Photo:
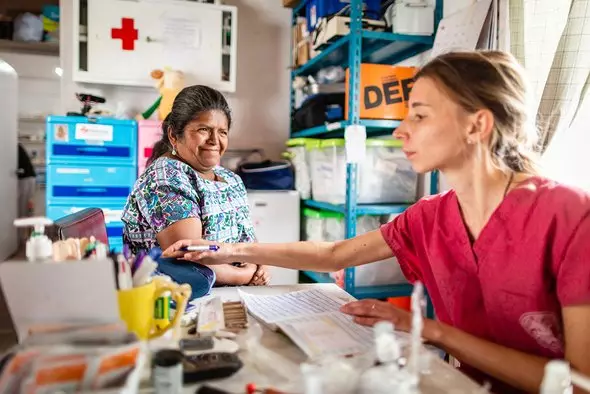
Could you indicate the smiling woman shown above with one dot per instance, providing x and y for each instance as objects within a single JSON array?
[{"x": 185, "y": 193}]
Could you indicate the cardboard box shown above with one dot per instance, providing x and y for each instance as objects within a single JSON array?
[
  {"x": 290, "y": 3},
  {"x": 384, "y": 91},
  {"x": 300, "y": 43}
]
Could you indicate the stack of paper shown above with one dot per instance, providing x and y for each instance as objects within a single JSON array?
[{"x": 312, "y": 319}]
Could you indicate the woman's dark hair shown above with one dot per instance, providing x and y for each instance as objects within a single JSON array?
[{"x": 188, "y": 104}]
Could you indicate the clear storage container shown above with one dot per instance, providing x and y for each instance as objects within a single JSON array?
[
  {"x": 298, "y": 154},
  {"x": 385, "y": 176},
  {"x": 330, "y": 226}
]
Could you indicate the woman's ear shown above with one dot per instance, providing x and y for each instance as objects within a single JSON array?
[
  {"x": 171, "y": 137},
  {"x": 482, "y": 126}
]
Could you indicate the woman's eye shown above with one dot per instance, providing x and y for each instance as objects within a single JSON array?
[{"x": 418, "y": 117}]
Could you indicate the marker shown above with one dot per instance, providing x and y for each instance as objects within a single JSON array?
[
  {"x": 123, "y": 274},
  {"x": 202, "y": 248}
]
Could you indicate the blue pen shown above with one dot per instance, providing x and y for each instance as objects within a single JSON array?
[{"x": 201, "y": 248}]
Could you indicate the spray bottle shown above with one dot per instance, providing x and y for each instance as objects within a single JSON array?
[
  {"x": 557, "y": 378},
  {"x": 39, "y": 246}
]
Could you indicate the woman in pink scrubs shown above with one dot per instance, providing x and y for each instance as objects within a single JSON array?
[{"x": 504, "y": 255}]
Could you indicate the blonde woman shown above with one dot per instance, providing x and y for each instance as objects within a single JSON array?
[{"x": 504, "y": 255}]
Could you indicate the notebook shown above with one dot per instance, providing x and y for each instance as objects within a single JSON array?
[{"x": 313, "y": 321}]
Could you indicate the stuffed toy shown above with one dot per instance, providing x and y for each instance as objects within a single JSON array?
[{"x": 169, "y": 83}]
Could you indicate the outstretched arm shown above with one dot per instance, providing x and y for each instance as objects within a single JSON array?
[
  {"x": 316, "y": 256},
  {"x": 226, "y": 274}
]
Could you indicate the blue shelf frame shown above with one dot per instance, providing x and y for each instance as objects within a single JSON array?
[
  {"x": 350, "y": 51},
  {"x": 361, "y": 209},
  {"x": 336, "y": 129}
]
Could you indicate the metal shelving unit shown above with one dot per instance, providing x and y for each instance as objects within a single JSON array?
[{"x": 361, "y": 46}]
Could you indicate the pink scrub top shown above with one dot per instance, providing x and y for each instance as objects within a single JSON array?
[{"x": 531, "y": 259}]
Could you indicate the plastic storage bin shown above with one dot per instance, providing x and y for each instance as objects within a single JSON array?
[
  {"x": 91, "y": 140},
  {"x": 385, "y": 176},
  {"x": 316, "y": 9},
  {"x": 297, "y": 149},
  {"x": 149, "y": 132},
  {"x": 330, "y": 226},
  {"x": 89, "y": 186}
]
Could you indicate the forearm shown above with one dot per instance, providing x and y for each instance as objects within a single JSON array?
[
  {"x": 314, "y": 256},
  {"x": 226, "y": 274},
  {"x": 516, "y": 368}
]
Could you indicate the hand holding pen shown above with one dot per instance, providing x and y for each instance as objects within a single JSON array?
[{"x": 200, "y": 250}]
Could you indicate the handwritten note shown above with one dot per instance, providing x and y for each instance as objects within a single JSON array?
[{"x": 181, "y": 33}]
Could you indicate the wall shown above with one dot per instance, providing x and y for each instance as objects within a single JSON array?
[
  {"x": 38, "y": 96},
  {"x": 39, "y": 85},
  {"x": 261, "y": 102}
]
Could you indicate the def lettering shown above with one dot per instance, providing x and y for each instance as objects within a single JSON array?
[{"x": 374, "y": 96}]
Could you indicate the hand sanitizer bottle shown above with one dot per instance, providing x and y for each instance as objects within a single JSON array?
[
  {"x": 557, "y": 378},
  {"x": 39, "y": 246}
]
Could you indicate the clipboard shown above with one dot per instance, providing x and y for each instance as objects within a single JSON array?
[{"x": 50, "y": 294}]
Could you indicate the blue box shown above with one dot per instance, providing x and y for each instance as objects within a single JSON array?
[
  {"x": 89, "y": 185},
  {"x": 72, "y": 139},
  {"x": 316, "y": 9}
]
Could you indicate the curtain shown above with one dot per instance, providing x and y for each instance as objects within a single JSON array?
[{"x": 551, "y": 38}]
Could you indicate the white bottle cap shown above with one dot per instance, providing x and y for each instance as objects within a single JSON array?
[
  {"x": 557, "y": 378},
  {"x": 383, "y": 327}
]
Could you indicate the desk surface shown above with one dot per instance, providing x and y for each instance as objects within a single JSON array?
[{"x": 276, "y": 364}]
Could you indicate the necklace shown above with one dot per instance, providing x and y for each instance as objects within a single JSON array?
[{"x": 508, "y": 184}]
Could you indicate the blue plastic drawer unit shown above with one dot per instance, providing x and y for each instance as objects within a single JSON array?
[
  {"x": 72, "y": 139},
  {"x": 89, "y": 185}
]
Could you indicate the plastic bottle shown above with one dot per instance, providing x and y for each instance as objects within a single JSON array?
[
  {"x": 39, "y": 246},
  {"x": 416, "y": 332},
  {"x": 387, "y": 348},
  {"x": 312, "y": 379},
  {"x": 384, "y": 377},
  {"x": 557, "y": 378}
]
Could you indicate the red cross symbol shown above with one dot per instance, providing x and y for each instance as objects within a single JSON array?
[{"x": 127, "y": 34}]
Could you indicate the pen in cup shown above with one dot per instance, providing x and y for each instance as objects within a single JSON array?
[{"x": 200, "y": 248}]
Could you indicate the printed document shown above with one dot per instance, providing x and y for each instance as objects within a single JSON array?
[{"x": 312, "y": 319}]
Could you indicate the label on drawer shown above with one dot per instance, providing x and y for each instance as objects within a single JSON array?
[
  {"x": 78, "y": 171},
  {"x": 94, "y": 132},
  {"x": 112, "y": 215}
]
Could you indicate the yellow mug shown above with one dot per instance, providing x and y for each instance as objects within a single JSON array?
[{"x": 136, "y": 307}]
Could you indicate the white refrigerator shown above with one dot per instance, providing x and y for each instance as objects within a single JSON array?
[{"x": 276, "y": 219}]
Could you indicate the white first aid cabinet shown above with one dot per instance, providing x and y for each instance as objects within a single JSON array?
[{"x": 120, "y": 42}]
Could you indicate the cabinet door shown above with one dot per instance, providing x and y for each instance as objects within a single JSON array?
[
  {"x": 8, "y": 159},
  {"x": 275, "y": 216},
  {"x": 126, "y": 40}
]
